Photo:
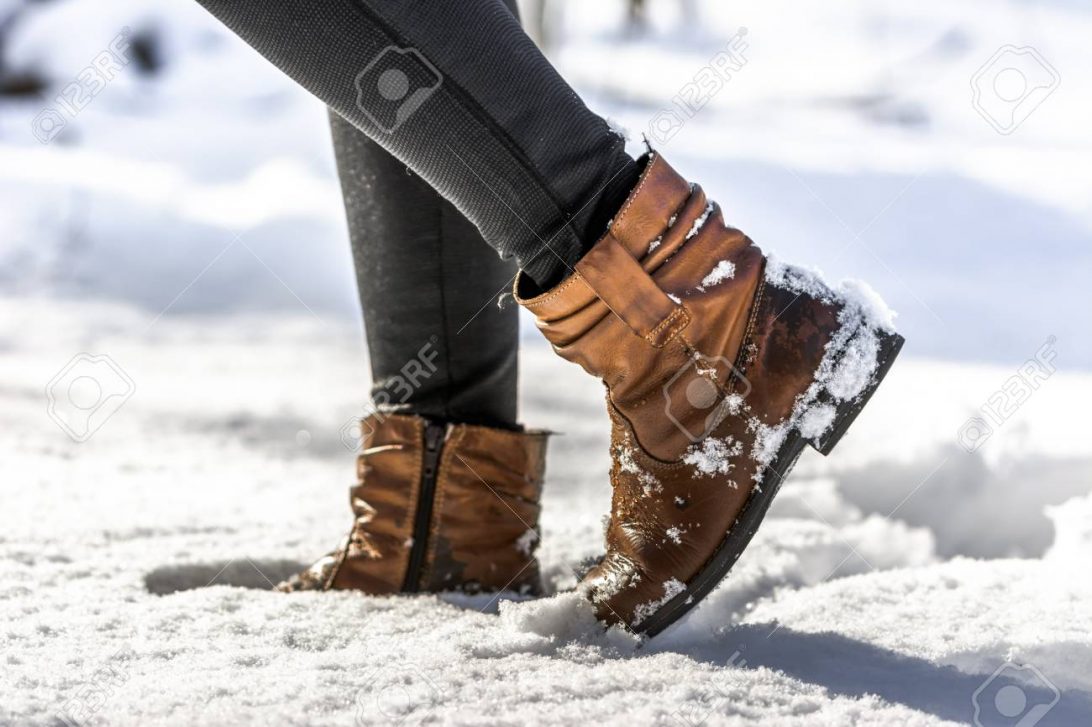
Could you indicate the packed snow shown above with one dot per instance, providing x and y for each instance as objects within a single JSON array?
[
  {"x": 156, "y": 540},
  {"x": 700, "y": 222},
  {"x": 712, "y": 456},
  {"x": 723, "y": 270},
  {"x": 816, "y": 421},
  {"x": 672, "y": 587},
  {"x": 186, "y": 225}
]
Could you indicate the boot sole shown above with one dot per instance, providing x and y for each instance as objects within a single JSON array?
[{"x": 737, "y": 540}]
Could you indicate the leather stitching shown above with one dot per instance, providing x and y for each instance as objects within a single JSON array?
[
  {"x": 636, "y": 192},
  {"x": 652, "y": 337},
  {"x": 546, "y": 297},
  {"x": 623, "y": 213}
]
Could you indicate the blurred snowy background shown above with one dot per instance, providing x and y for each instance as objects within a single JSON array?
[{"x": 179, "y": 213}]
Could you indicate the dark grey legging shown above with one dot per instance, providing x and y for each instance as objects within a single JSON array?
[
  {"x": 428, "y": 289},
  {"x": 457, "y": 92},
  {"x": 427, "y": 282}
]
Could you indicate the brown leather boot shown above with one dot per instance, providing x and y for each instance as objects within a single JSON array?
[
  {"x": 438, "y": 508},
  {"x": 720, "y": 365}
]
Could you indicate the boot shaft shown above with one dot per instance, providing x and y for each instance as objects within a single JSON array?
[
  {"x": 439, "y": 507},
  {"x": 720, "y": 366},
  {"x": 669, "y": 288}
]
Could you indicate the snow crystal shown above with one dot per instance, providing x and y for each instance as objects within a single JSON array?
[
  {"x": 620, "y": 129},
  {"x": 566, "y": 616},
  {"x": 733, "y": 403},
  {"x": 847, "y": 368},
  {"x": 723, "y": 270},
  {"x": 674, "y": 297},
  {"x": 610, "y": 581},
  {"x": 713, "y": 456},
  {"x": 672, "y": 588},
  {"x": 626, "y": 463},
  {"x": 675, "y": 534},
  {"x": 873, "y": 308},
  {"x": 855, "y": 368},
  {"x": 655, "y": 244},
  {"x": 855, "y": 294},
  {"x": 526, "y": 542},
  {"x": 768, "y": 441},
  {"x": 796, "y": 279},
  {"x": 700, "y": 222},
  {"x": 817, "y": 420}
]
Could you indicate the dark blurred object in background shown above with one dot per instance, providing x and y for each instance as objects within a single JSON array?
[{"x": 16, "y": 81}]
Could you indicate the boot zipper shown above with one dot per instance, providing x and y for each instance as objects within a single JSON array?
[{"x": 434, "y": 445}]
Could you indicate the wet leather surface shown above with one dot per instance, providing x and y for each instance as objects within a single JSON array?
[
  {"x": 486, "y": 499},
  {"x": 690, "y": 382}
]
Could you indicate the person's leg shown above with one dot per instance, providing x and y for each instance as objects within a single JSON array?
[
  {"x": 428, "y": 288},
  {"x": 720, "y": 365},
  {"x": 444, "y": 360},
  {"x": 457, "y": 91}
]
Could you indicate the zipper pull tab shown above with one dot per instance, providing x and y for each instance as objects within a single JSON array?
[
  {"x": 434, "y": 433},
  {"x": 434, "y": 436}
]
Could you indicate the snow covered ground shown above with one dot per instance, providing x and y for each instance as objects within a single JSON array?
[
  {"x": 144, "y": 551},
  {"x": 186, "y": 225}
]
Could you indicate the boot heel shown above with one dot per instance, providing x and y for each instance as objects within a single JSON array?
[{"x": 847, "y": 411}]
